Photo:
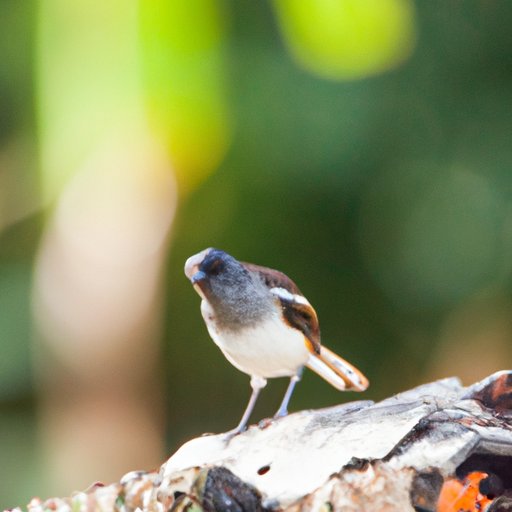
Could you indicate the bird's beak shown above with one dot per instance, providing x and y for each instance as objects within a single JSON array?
[
  {"x": 192, "y": 264},
  {"x": 200, "y": 283},
  {"x": 198, "y": 277}
]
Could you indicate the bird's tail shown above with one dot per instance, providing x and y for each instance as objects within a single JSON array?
[{"x": 336, "y": 371}]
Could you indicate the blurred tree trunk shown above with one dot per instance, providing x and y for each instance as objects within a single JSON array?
[{"x": 130, "y": 102}]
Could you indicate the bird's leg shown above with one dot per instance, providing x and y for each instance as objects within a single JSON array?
[
  {"x": 283, "y": 408},
  {"x": 257, "y": 384}
]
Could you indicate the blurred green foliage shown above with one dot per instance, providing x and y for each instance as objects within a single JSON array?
[
  {"x": 185, "y": 82},
  {"x": 87, "y": 82},
  {"x": 349, "y": 39},
  {"x": 388, "y": 198}
]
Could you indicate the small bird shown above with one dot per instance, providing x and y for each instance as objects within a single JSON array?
[{"x": 264, "y": 326}]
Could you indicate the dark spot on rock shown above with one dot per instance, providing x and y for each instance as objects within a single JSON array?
[
  {"x": 425, "y": 489},
  {"x": 496, "y": 395},
  {"x": 357, "y": 464},
  {"x": 492, "y": 486},
  {"x": 500, "y": 466},
  {"x": 264, "y": 469},
  {"x": 225, "y": 492}
]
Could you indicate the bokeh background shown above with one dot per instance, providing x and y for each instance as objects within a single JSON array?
[{"x": 361, "y": 146}]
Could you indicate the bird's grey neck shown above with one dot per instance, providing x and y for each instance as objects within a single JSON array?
[{"x": 241, "y": 306}]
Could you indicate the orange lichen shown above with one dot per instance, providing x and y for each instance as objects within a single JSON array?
[{"x": 463, "y": 495}]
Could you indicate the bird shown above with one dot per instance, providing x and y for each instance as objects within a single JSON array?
[{"x": 264, "y": 326}]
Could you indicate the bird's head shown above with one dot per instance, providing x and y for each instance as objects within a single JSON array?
[
  {"x": 214, "y": 273},
  {"x": 235, "y": 293}
]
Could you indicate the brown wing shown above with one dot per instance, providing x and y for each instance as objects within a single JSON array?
[
  {"x": 273, "y": 278},
  {"x": 297, "y": 311}
]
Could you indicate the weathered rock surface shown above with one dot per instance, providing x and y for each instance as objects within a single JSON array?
[{"x": 397, "y": 454}]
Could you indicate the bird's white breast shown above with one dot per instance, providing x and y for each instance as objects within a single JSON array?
[{"x": 270, "y": 349}]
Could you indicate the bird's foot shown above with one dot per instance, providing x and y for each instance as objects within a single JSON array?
[
  {"x": 281, "y": 413},
  {"x": 232, "y": 433}
]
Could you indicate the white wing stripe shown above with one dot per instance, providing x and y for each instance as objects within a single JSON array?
[{"x": 284, "y": 294}]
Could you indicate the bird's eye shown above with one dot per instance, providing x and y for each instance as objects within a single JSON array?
[{"x": 215, "y": 267}]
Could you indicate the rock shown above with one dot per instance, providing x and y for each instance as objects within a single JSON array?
[{"x": 421, "y": 450}]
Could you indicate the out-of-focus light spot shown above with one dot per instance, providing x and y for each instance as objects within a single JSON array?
[
  {"x": 88, "y": 82},
  {"x": 86, "y": 431},
  {"x": 475, "y": 339},
  {"x": 155, "y": 64},
  {"x": 430, "y": 237},
  {"x": 347, "y": 39},
  {"x": 99, "y": 267},
  {"x": 97, "y": 302},
  {"x": 183, "y": 76}
]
